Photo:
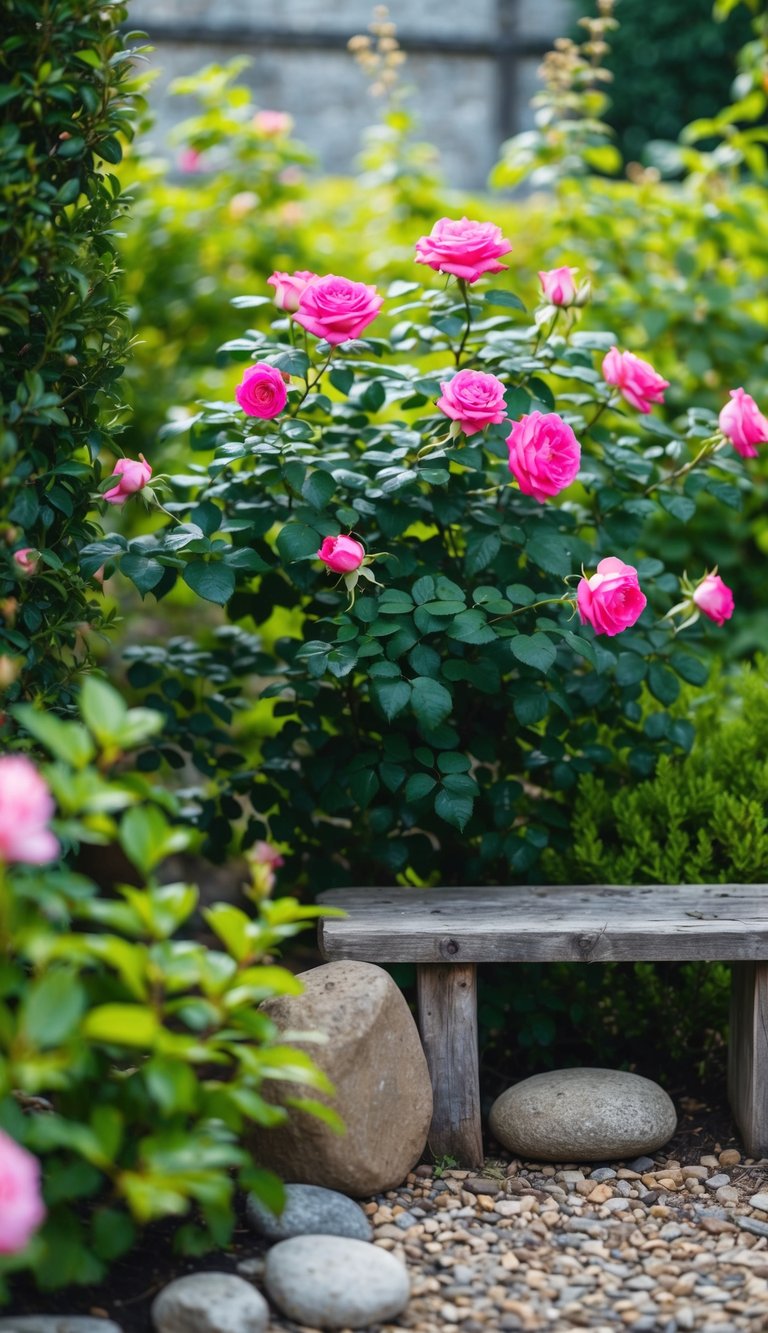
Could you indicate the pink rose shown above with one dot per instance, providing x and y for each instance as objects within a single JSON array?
[
  {"x": 714, "y": 598},
  {"x": 22, "y": 1209},
  {"x": 474, "y": 399},
  {"x": 264, "y": 860},
  {"x": 26, "y": 559},
  {"x": 637, "y": 380},
  {"x": 262, "y": 392},
  {"x": 134, "y": 475},
  {"x": 611, "y": 600},
  {"x": 341, "y": 554},
  {"x": 190, "y": 161},
  {"x": 337, "y": 308},
  {"x": 544, "y": 454},
  {"x": 26, "y": 807},
  {"x": 466, "y": 249},
  {"x": 288, "y": 287},
  {"x": 743, "y": 423},
  {"x": 558, "y": 285},
  {"x": 273, "y": 124}
]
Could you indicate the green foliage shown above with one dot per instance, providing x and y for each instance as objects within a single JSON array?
[
  {"x": 133, "y": 1057},
  {"x": 67, "y": 100}
]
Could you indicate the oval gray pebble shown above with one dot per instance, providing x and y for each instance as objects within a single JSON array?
[
  {"x": 583, "y": 1115},
  {"x": 310, "y": 1210},
  {"x": 210, "y": 1303},
  {"x": 333, "y": 1282}
]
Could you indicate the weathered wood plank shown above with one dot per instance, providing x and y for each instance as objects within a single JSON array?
[
  {"x": 447, "y": 1007},
  {"x": 748, "y": 1055},
  {"x": 541, "y": 924}
]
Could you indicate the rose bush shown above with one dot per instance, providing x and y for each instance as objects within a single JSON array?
[{"x": 410, "y": 716}]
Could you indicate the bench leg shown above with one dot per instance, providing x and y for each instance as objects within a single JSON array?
[
  {"x": 748, "y": 1055},
  {"x": 447, "y": 1000}
]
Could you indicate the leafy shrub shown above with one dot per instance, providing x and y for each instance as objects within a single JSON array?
[
  {"x": 133, "y": 1055},
  {"x": 67, "y": 99}
]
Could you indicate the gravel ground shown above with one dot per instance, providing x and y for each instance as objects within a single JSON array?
[{"x": 652, "y": 1245}]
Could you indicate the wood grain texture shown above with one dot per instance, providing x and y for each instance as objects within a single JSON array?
[
  {"x": 447, "y": 1007},
  {"x": 533, "y": 923},
  {"x": 748, "y": 1055}
]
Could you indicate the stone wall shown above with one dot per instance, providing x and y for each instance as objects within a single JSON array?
[{"x": 472, "y": 68}]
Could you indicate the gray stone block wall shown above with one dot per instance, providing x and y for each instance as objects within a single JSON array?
[{"x": 458, "y": 96}]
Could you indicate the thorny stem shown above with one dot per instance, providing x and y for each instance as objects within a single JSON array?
[{"x": 460, "y": 349}]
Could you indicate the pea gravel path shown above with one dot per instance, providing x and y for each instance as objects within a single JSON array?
[{"x": 655, "y": 1246}]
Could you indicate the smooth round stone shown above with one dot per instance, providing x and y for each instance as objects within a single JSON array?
[
  {"x": 210, "y": 1303},
  {"x": 310, "y": 1210},
  {"x": 57, "y": 1323},
  {"x": 333, "y": 1282},
  {"x": 583, "y": 1115}
]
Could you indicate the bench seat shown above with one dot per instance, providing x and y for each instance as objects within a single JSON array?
[{"x": 448, "y": 932}]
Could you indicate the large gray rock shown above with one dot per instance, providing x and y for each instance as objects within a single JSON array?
[
  {"x": 583, "y": 1115},
  {"x": 333, "y": 1282},
  {"x": 373, "y": 1057},
  {"x": 210, "y": 1303},
  {"x": 57, "y": 1323},
  {"x": 310, "y": 1210}
]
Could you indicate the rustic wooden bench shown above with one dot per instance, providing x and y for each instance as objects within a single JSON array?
[{"x": 447, "y": 932}]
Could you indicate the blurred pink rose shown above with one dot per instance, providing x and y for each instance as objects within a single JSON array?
[
  {"x": 22, "y": 1209},
  {"x": 26, "y": 559},
  {"x": 714, "y": 598},
  {"x": 264, "y": 860},
  {"x": 558, "y": 285},
  {"x": 636, "y": 379},
  {"x": 190, "y": 161},
  {"x": 544, "y": 454},
  {"x": 26, "y": 808},
  {"x": 336, "y": 308},
  {"x": 288, "y": 287},
  {"x": 262, "y": 392},
  {"x": 273, "y": 124},
  {"x": 611, "y": 600},
  {"x": 743, "y": 423},
  {"x": 474, "y": 399},
  {"x": 341, "y": 554},
  {"x": 134, "y": 475},
  {"x": 465, "y": 248}
]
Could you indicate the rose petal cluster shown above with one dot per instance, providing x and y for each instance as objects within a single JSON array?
[
  {"x": 262, "y": 392},
  {"x": 336, "y": 308},
  {"x": 22, "y": 1209},
  {"x": 464, "y": 248},
  {"x": 474, "y": 399},
  {"x": 714, "y": 598},
  {"x": 26, "y": 559},
  {"x": 612, "y": 599},
  {"x": 743, "y": 423},
  {"x": 26, "y": 808},
  {"x": 133, "y": 474},
  {"x": 544, "y": 454},
  {"x": 288, "y": 288},
  {"x": 558, "y": 285},
  {"x": 341, "y": 554},
  {"x": 636, "y": 379}
]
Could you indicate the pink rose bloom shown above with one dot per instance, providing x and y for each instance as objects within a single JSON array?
[
  {"x": 288, "y": 287},
  {"x": 273, "y": 124},
  {"x": 134, "y": 475},
  {"x": 612, "y": 600},
  {"x": 26, "y": 559},
  {"x": 637, "y": 380},
  {"x": 558, "y": 285},
  {"x": 544, "y": 454},
  {"x": 743, "y": 423},
  {"x": 262, "y": 392},
  {"x": 337, "y": 308},
  {"x": 466, "y": 249},
  {"x": 190, "y": 161},
  {"x": 26, "y": 807},
  {"x": 264, "y": 860},
  {"x": 474, "y": 399},
  {"x": 714, "y": 598},
  {"x": 341, "y": 554},
  {"x": 22, "y": 1209}
]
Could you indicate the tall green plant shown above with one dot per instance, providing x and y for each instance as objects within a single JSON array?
[{"x": 68, "y": 97}]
